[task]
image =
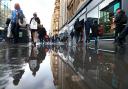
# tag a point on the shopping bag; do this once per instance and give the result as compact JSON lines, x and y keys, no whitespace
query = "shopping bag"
{"x":33,"y":24}
{"x":9,"y":34}
{"x":33,"y":64}
{"x":22,"y":23}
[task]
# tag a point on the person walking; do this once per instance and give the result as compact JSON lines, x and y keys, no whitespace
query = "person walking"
{"x":77,"y":27}
{"x":15,"y":16}
{"x":88,"y":24}
{"x":95,"y":31}
{"x":72,"y":35}
{"x":41,"y":34}
{"x":34,"y":26}
{"x":120,"y":21}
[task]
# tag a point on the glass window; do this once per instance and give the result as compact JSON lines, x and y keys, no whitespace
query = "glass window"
{"x":93,"y":13}
{"x":107,"y":19}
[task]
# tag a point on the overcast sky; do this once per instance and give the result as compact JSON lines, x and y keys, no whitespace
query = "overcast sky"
{"x":44,"y":9}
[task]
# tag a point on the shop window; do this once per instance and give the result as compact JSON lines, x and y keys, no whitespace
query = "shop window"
{"x":107,"y":18}
{"x":93,"y":13}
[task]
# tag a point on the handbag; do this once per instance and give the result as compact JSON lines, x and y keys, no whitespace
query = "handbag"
{"x":9,"y":33}
{"x":22,"y":23}
{"x":33,"y":24}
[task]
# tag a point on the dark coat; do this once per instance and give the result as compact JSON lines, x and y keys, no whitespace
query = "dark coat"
{"x":87,"y":25}
{"x":121,"y":18}
{"x":95,"y":30}
{"x":42,"y":31}
{"x":72,"y":34}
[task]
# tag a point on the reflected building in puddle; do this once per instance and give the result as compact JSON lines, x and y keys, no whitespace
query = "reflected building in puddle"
{"x":55,"y":67}
{"x":87,"y":67}
{"x":64,"y":76}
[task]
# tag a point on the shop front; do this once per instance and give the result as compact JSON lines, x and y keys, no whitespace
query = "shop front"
{"x":104,"y":11}
{"x":106,"y":17}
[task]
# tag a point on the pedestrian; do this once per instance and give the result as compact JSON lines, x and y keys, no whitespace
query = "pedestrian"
{"x":72,"y":35}
{"x":34,"y":26}
{"x":57,"y":39}
{"x":87,"y":31}
{"x":41,"y":34}
{"x":33,"y":62}
{"x":120,"y":21}
{"x":16,"y":15}
{"x":88,"y":24}
{"x":95,"y":31}
{"x":77,"y":28}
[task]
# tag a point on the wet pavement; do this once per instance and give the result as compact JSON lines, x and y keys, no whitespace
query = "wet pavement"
{"x":23,"y":66}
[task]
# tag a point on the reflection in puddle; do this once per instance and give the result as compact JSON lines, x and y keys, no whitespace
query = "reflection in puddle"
{"x":99,"y":69}
{"x":26,"y":70}
{"x":62,"y":67}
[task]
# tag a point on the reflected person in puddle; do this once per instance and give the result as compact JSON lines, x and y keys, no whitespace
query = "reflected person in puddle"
{"x":37,"y":55}
{"x":17,"y":77}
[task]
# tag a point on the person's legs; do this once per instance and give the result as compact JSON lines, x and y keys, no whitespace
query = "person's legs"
{"x":124,"y":33}
{"x":77,"y":35}
{"x":41,"y":38}
{"x":14,"y":32}
{"x":116,"y":33}
{"x":122,"y":36}
{"x":17,"y":34}
{"x":34,"y":37}
{"x":87,"y":36}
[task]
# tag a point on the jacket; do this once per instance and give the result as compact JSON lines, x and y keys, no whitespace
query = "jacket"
{"x":16,"y":14}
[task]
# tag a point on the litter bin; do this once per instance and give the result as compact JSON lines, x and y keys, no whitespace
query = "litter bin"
{"x":23,"y":35}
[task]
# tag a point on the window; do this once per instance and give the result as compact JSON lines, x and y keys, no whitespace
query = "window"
{"x":93,"y":13}
{"x":107,"y":18}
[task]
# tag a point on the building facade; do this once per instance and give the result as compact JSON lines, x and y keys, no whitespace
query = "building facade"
{"x":4,"y":11}
{"x":73,"y":6}
{"x":101,"y":10}
{"x":55,"y":18}
{"x":63,"y":13}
